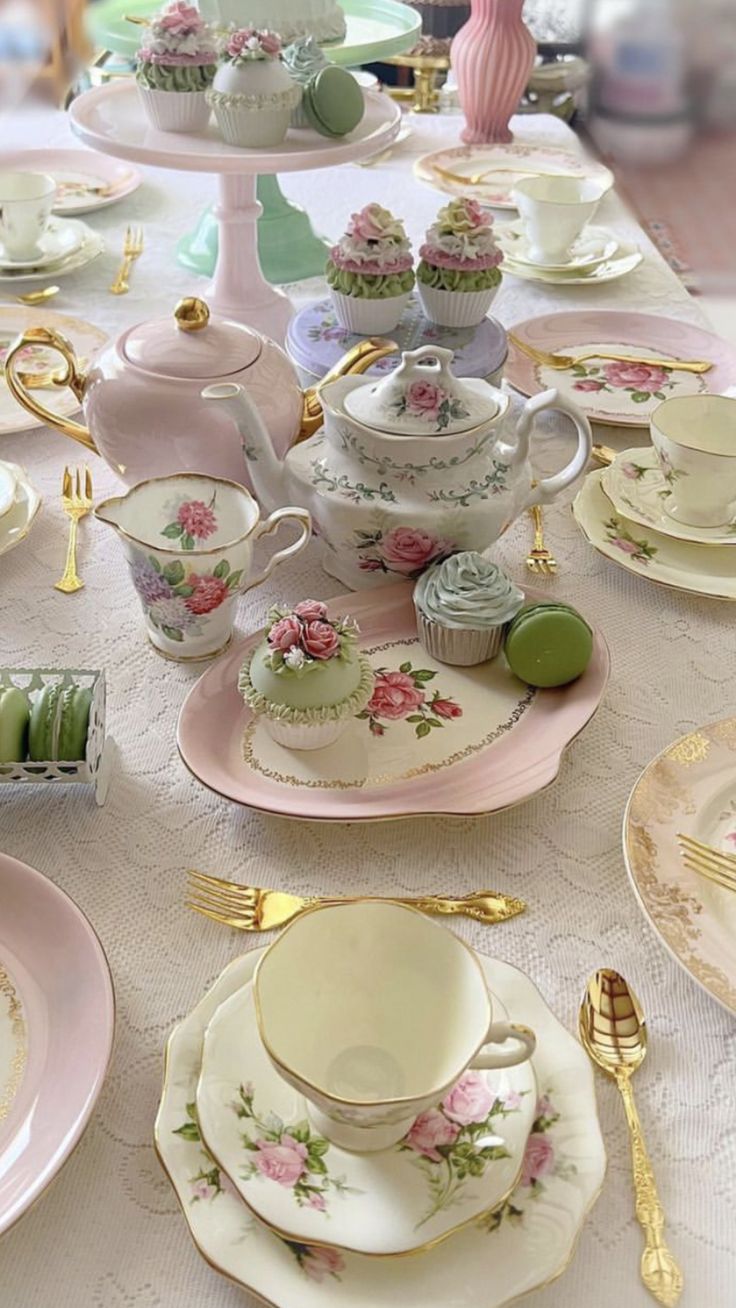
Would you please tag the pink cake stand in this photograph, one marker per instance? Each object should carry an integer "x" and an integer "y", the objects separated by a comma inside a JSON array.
[{"x": 111, "y": 119}]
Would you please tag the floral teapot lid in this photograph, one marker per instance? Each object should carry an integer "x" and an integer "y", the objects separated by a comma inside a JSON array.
[
  {"x": 191, "y": 344},
  {"x": 423, "y": 397}
]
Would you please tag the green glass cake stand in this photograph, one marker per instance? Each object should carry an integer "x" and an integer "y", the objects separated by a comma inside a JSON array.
[{"x": 287, "y": 246}]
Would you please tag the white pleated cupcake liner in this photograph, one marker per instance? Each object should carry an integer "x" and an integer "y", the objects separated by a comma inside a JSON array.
[
  {"x": 369, "y": 317},
  {"x": 455, "y": 308},
  {"x": 254, "y": 129},
  {"x": 461, "y": 646},
  {"x": 304, "y": 735},
  {"x": 176, "y": 111}
]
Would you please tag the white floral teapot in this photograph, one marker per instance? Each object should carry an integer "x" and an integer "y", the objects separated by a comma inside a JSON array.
[{"x": 408, "y": 469}]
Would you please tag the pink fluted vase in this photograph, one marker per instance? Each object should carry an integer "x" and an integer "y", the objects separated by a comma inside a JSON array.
[{"x": 493, "y": 56}]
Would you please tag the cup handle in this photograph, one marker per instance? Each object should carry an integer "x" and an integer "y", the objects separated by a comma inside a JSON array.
[
  {"x": 498, "y": 1033},
  {"x": 272, "y": 523},
  {"x": 548, "y": 487}
]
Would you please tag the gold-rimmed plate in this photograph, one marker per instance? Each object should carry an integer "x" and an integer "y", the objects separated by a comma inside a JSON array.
[
  {"x": 450, "y": 170},
  {"x": 691, "y": 788}
]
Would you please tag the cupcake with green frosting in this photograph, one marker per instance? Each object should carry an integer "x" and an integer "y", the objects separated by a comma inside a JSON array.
[
  {"x": 458, "y": 274},
  {"x": 463, "y": 607},
  {"x": 306, "y": 680},
  {"x": 174, "y": 67},
  {"x": 370, "y": 272}
]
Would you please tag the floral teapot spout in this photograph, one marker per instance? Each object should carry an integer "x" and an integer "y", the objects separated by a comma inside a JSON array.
[{"x": 409, "y": 468}]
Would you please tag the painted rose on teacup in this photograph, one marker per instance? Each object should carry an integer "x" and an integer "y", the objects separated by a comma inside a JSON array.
[{"x": 695, "y": 440}]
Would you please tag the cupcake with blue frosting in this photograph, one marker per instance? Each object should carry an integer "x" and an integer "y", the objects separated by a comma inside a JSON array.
[{"x": 463, "y": 608}]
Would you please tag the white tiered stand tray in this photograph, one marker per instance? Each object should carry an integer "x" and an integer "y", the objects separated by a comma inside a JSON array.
[{"x": 111, "y": 119}]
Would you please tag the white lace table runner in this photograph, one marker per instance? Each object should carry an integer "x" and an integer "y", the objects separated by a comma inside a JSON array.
[{"x": 109, "y": 1233}]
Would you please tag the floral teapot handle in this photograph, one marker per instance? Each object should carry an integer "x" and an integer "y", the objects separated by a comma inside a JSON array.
[{"x": 547, "y": 488}]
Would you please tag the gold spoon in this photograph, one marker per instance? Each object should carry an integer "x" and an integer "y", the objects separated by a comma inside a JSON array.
[
  {"x": 36, "y": 297},
  {"x": 613, "y": 1031}
]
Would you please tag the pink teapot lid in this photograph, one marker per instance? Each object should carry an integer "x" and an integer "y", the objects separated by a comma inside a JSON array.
[
  {"x": 191, "y": 344},
  {"x": 423, "y": 397}
]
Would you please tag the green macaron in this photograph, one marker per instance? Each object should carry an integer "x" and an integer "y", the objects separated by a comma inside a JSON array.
[
  {"x": 548, "y": 645},
  {"x": 333, "y": 101},
  {"x": 59, "y": 723},
  {"x": 15, "y": 712}
]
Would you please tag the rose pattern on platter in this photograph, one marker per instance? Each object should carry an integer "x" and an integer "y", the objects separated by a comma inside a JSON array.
[
  {"x": 432, "y": 403},
  {"x": 641, "y": 381},
  {"x": 639, "y": 550},
  {"x": 455, "y": 1141},
  {"x": 208, "y": 1183},
  {"x": 539, "y": 1161},
  {"x": 289, "y": 1156},
  {"x": 193, "y": 523},
  {"x": 401, "y": 695},
  {"x": 175, "y": 600},
  {"x": 403, "y": 550}
]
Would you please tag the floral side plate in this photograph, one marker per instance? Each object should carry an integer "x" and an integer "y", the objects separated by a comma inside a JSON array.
[
  {"x": 20, "y": 517},
  {"x": 637, "y": 487},
  {"x": 506, "y": 164},
  {"x": 690, "y": 788},
  {"x": 522, "y": 1246},
  {"x": 85, "y": 180},
  {"x": 432, "y": 739},
  {"x": 619, "y": 393},
  {"x": 460, "y": 1159},
  {"x": 593, "y": 246},
  {"x": 643, "y": 551},
  {"x": 85, "y": 338},
  {"x": 625, "y": 260}
]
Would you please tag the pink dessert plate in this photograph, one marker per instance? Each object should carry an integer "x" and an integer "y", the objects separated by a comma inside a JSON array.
[
  {"x": 57, "y": 1017},
  {"x": 85, "y": 180},
  {"x": 621, "y": 394},
  {"x": 434, "y": 738}
]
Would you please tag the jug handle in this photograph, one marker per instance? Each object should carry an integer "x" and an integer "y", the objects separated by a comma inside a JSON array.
[
  {"x": 301, "y": 516},
  {"x": 547, "y": 488},
  {"x": 72, "y": 377},
  {"x": 359, "y": 358}
]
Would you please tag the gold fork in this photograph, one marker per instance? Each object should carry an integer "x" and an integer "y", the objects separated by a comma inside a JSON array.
[
  {"x": 540, "y": 560},
  {"x": 477, "y": 179},
  {"x": 251, "y": 908},
  {"x": 132, "y": 250},
  {"x": 76, "y": 504},
  {"x": 561, "y": 361},
  {"x": 708, "y": 862}
]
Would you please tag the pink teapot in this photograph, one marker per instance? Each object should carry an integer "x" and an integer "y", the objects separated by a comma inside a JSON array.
[{"x": 141, "y": 399}]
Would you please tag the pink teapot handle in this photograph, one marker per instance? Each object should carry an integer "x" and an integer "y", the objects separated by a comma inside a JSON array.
[
  {"x": 547, "y": 488},
  {"x": 272, "y": 523}
]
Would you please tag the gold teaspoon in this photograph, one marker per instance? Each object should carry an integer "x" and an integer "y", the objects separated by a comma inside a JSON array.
[
  {"x": 613, "y": 1031},
  {"x": 36, "y": 297}
]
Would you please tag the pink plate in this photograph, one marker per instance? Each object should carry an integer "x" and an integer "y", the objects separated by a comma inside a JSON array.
[
  {"x": 86, "y": 180},
  {"x": 57, "y": 1016},
  {"x": 611, "y": 393},
  {"x": 463, "y": 740}
]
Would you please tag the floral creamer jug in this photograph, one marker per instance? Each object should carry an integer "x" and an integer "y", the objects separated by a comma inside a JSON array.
[{"x": 408, "y": 469}]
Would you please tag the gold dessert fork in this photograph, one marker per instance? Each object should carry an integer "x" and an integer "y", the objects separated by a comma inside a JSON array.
[
  {"x": 76, "y": 504},
  {"x": 562, "y": 361},
  {"x": 540, "y": 560},
  {"x": 132, "y": 250},
  {"x": 708, "y": 862},
  {"x": 251, "y": 908}
]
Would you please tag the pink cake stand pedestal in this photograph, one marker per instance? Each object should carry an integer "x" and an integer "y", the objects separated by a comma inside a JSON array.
[{"x": 111, "y": 119}]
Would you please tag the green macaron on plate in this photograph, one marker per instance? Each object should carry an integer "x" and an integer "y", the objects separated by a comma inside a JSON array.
[
  {"x": 548, "y": 645},
  {"x": 52, "y": 727},
  {"x": 333, "y": 101}
]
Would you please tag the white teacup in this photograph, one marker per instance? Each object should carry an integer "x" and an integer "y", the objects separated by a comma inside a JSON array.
[
  {"x": 554, "y": 211},
  {"x": 373, "y": 1012},
  {"x": 26, "y": 201},
  {"x": 695, "y": 440}
]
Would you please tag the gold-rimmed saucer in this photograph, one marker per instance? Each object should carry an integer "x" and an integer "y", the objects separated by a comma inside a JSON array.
[{"x": 637, "y": 487}]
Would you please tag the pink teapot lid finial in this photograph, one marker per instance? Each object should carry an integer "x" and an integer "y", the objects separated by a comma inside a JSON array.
[{"x": 423, "y": 397}]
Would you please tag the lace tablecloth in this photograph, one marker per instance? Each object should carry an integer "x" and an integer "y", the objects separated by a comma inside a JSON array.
[{"x": 109, "y": 1233}]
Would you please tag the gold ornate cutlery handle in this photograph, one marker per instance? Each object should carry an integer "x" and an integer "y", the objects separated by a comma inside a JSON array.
[
  {"x": 659, "y": 1271},
  {"x": 120, "y": 283},
  {"x": 677, "y": 365},
  {"x": 483, "y": 906},
  {"x": 70, "y": 581},
  {"x": 536, "y": 517}
]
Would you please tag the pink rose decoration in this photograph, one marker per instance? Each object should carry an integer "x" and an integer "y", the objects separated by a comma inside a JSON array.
[
  {"x": 321, "y": 1262},
  {"x": 639, "y": 376},
  {"x": 627, "y": 546},
  {"x": 203, "y": 1190},
  {"x": 425, "y": 397},
  {"x": 369, "y": 565},
  {"x": 731, "y": 837},
  {"x": 588, "y": 385},
  {"x": 429, "y": 1131},
  {"x": 470, "y": 1100},
  {"x": 446, "y": 708},
  {"x": 283, "y": 1163},
  {"x": 539, "y": 1158},
  {"x": 394, "y": 695},
  {"x": 208, "y": 594},
  {"x": 311, "y": 610},
  {"x": 630, "y": 470},
  {"x": 320, "y": 640},
  {"x": 180, "y": 18},
  {"x": 362, "y": 224},
  {"x": 512, "y": 1100},
  {"x": 285, "y": 633},
  {"x": 270, "y": 43},
  {"x": 544, "y": 1107},
  {"x": 408, "y": 549},
  {"x": 197, "y": 519},
  {"x": 477, "y": 216},
  {"x": 316, "y": 1201}
]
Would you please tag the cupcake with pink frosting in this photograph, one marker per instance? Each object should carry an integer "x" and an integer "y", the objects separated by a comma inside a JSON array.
[
  {"x": 174, "y": 67},
  {"x": 458, "y": 275},
  {"x": 370, "y": 272}
]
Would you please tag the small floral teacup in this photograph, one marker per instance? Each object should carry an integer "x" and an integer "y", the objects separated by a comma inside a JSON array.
[
  {"x": 189, "y": 543},
  {"x": 695, "y": 440}
]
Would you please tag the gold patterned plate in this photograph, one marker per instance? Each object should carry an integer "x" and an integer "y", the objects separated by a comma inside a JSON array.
[
  {"x": 689, "y": 787},
  {"x": 433, "y": 738}
]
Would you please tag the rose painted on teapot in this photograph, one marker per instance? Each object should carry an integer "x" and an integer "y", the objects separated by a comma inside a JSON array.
[{"x": 409, "y": 468}]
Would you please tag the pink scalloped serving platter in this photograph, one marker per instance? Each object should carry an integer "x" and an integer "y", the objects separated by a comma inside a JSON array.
[{"x": 503, "y": 745}]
